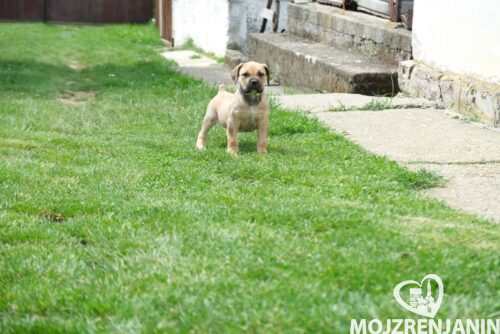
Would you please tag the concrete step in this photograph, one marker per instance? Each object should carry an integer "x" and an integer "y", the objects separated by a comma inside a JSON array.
[
  {"x": 199, "y": 66},
  {"x": 370, "y": 35},
  {"x": 299, "y": 62}
]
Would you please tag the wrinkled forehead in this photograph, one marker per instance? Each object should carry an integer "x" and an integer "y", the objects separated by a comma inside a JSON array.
[{"x": 252, "y": 68}]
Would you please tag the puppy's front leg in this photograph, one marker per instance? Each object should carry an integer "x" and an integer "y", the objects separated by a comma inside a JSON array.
[
  {"x": 262, "y": 136},
  {"x": 232, "y": 136}
]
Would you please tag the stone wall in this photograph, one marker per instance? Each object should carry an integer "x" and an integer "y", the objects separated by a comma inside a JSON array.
[
  {"x": 245, "y": 18},
  {"x": 460, "y": 93}
]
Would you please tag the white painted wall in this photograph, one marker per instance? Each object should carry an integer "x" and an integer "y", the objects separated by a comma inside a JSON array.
[
  {"x": 205, "y": 21},
  {"x": 215, "y": 25},
  {"x": 461, "y": 36}
]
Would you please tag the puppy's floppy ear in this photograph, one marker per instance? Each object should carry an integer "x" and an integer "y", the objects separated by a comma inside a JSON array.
[
  {"x": 235, "y": 73},
  {"x": 267, "y": 72}
]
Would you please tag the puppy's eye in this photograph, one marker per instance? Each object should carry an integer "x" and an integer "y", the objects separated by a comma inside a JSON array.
[
  {"x": 245, "y": 75},
  {"x": 260, "y": 74}
]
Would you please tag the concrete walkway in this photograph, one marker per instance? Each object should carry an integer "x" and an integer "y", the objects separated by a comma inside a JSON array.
[
  {"x": 467, "y": 155},
  {"x": 412, "y": 132}
]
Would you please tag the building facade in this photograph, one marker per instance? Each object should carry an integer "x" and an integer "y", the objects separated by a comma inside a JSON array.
[{"x": 217, "y": 25}]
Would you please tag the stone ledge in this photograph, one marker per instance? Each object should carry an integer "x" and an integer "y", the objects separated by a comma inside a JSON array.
[
  {"x": 299, "y": 62},
  {"x": 459, "y": 93}
]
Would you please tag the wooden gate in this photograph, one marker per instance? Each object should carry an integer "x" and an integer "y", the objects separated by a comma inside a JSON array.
[
  {"x": 77, "y": 11},
  {"x": 164, "y": 20}
]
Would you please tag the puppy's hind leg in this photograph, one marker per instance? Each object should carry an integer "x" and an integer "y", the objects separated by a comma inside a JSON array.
[{"x": 208, "y": 122}]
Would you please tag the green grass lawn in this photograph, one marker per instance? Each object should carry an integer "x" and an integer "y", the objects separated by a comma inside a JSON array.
[{"x": 111, "y": 221}]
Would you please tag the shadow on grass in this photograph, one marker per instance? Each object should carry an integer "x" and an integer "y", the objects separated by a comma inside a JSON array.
[
  {"x": 43, "y": 79},
  {"x": 34, "y": 78}
]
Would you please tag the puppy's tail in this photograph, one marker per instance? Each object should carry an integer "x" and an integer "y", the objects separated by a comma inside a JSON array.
[{"x": 222, "y": 88}]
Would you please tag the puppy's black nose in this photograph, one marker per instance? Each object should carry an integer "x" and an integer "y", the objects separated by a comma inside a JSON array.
[{"x": 254, "y": 82}]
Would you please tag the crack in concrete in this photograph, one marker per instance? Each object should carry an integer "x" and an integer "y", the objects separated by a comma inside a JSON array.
[
  {"x": 342, "y": 108},
  {"x": 424, "y": 162}
]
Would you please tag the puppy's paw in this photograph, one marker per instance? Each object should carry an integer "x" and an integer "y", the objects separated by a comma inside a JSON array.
[
  {"x": 261, "y": 149},
  {"x": 232, "y": 151},
  {"x": 200, "y": 145}
]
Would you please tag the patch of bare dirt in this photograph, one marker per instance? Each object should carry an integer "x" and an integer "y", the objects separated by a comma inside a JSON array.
[
  {"x": 15, "y": 143},
  {"x": 55, "y": 218},
  {"x": 76, "y": 65},
  {"x": 76, "y": 98}
]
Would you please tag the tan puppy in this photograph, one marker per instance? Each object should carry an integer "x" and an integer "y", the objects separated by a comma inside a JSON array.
[{"x": 245, "y": 110}]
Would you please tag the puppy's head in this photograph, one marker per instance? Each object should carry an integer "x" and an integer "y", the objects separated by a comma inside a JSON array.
[{"x": 251, "y": 76}]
